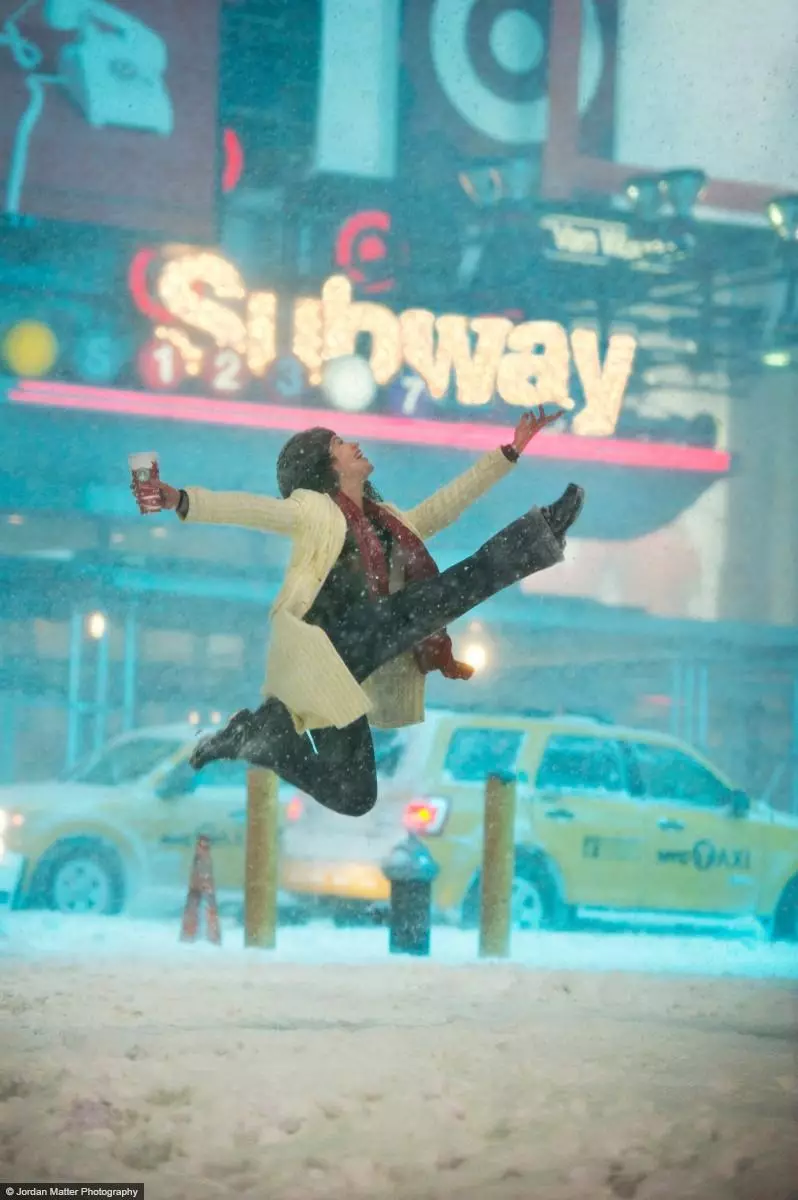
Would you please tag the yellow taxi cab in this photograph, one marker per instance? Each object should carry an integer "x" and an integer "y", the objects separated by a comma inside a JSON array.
[
  {"x": 609, "y": 820},
  {"x": 120, "y": 829}
]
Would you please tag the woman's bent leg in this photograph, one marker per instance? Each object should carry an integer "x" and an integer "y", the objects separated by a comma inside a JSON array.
[
  {"x": 379, "y": 631},
  {"x": 337, "y": 768},
  {"x": 340, "y": 772}
]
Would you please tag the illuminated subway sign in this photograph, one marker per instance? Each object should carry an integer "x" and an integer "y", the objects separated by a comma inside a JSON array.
[{"x": 202, "y": 299}]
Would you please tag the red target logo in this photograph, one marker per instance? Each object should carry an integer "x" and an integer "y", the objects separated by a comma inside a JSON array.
[
  {"x": 480, "y": 68},
  {"x": 366, "y": 252}
]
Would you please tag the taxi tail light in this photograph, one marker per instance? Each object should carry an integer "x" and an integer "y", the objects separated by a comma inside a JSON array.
[
  {"x": 295, "y": 809},
  {"x": 426, "y": 817}
]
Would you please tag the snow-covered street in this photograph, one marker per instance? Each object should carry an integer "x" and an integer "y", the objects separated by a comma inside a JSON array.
[{"x": 326, "y": 1070}]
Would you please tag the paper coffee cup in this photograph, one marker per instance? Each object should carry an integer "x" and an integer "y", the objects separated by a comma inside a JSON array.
[{"x": 146, "y": 480}]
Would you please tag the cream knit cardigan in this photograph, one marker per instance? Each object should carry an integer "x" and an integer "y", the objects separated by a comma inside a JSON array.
[{"x": 303, "y": 669}]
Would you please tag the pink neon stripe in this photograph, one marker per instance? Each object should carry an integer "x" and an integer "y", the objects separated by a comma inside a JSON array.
[{"x": 460, "y": 435}]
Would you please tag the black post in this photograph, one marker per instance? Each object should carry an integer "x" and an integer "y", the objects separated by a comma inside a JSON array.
[{"x": 411, "y": 870}]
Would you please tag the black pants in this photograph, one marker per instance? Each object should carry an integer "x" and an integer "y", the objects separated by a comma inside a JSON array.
[{"x": 340, "y": 773}]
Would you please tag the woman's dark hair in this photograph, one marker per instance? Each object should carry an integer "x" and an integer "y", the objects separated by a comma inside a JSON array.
[{"x": 305, "y": 461}]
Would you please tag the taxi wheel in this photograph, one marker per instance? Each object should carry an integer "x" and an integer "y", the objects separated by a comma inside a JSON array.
[
  {"x": 785, "y": 922},
  {"x": 82, "y": 875},
  {"x": 528, "y": 903},
  {"x": 535, "y": 901}
]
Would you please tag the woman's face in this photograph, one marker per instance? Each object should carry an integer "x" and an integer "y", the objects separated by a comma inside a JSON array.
[{"x": 349, "y": 461}]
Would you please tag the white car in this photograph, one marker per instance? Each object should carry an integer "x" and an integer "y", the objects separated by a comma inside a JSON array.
[{"x": 118, "y": 832}]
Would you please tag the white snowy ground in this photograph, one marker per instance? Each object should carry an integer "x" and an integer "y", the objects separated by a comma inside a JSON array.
[{"x": 591, "y": 1067}]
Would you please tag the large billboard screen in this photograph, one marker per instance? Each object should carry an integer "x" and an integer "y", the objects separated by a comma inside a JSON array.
[
  {"x": 108, "y": 113},
  {"x": 429, "y": 87}
]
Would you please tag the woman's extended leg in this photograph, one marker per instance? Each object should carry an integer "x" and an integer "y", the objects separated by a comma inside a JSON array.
[{"x": 379, "y": 631}]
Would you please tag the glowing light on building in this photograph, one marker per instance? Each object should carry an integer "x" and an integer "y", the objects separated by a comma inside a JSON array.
[
  {"x": 137, "y": 281},
  {"x": 30, "y": 348},
  {"x": 476, "y": 655},
  {"x": 226, "y": 372},
  {"x": 161, "y": 365},
  {"x": 413, "y": 431},
  {"x": 475, "y": 371},
  {"x": 261, "y": 331},
  {"x": 604, "y": 383},
  {"x": 361, "y": 242},
  {"x": 344, "y": 319},
  {"x": 349, "y": 384},
  {"x": 308, "y": 343},
  {"x": 182, "y": 285},
  {"x": 233, "y": 167},
  {"x": 96, "y": 625},
  {"x": 537, "y": 367},
  {"x": 191, "y": 355}
]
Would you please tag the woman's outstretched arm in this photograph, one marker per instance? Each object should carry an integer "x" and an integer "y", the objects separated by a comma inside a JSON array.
[
  {"x": 198, "y": 505},
  {"x": 445, "y": 506}
]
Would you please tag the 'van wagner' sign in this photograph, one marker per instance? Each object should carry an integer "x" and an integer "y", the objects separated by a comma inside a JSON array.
[
  {"x": 594, "y": 241},
  {"x": 202, "y": 299}
]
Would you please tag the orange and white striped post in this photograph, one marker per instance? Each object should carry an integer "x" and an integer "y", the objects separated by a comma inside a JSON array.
[{"x": 201, "y": 887}]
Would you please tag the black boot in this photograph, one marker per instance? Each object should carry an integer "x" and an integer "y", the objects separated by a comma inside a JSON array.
[
  {"x": 226, "y": 744},
  {"x": 270, "y": 740},
  {"x": 563, "y": 512}
]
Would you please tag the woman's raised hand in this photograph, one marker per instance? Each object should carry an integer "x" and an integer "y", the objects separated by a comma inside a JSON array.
[{"x": 531, "y": 424}]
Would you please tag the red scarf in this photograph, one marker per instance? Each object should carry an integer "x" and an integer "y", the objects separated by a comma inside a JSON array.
[{"x": 435, "y": 652}]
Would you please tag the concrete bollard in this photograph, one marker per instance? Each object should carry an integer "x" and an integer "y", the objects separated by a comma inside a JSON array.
[
  {"x": 411, "y": 870},
  {"x": 261, "y": 866},
  {"x": 498, "y": 867}
]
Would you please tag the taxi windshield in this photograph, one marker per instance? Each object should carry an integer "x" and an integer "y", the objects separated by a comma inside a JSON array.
[{"x": 123, "y": 762}]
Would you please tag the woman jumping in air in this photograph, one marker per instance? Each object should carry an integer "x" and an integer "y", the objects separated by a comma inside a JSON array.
[{"x": 361, "y": 617}]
